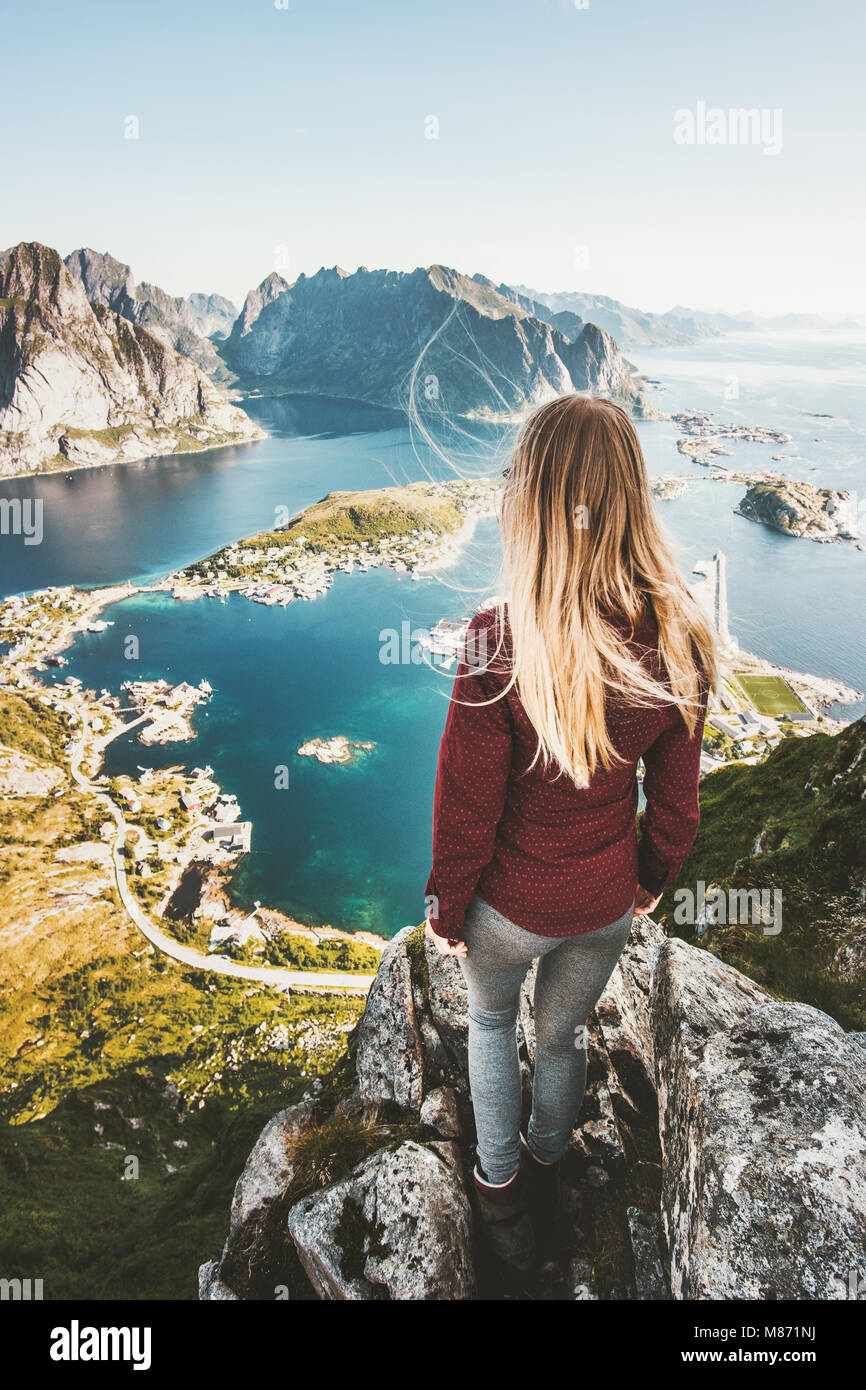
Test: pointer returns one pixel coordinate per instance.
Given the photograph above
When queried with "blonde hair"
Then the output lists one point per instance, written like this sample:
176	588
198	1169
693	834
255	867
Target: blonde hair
584	551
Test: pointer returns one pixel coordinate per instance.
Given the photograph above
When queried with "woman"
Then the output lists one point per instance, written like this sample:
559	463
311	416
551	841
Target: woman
600	657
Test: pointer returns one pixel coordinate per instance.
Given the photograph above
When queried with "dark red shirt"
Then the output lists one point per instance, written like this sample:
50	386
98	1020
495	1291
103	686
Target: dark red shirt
554	858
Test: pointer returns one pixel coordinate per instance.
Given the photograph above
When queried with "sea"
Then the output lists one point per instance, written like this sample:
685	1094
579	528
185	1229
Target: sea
349	845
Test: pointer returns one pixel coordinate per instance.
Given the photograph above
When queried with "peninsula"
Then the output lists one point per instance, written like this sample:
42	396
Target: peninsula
412	530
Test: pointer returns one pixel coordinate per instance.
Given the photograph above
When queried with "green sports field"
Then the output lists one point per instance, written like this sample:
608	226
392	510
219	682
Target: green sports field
771	695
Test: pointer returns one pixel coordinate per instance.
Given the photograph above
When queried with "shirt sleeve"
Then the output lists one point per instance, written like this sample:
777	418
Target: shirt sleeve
471	781
670	821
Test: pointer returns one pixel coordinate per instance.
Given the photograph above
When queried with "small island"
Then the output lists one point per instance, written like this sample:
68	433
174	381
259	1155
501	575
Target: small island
668	486
703	442
799	509
338	749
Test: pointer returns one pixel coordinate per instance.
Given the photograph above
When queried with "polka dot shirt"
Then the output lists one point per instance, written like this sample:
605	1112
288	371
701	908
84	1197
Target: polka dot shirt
552	857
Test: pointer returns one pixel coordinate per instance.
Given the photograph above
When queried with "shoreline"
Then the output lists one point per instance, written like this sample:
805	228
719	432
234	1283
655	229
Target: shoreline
69	469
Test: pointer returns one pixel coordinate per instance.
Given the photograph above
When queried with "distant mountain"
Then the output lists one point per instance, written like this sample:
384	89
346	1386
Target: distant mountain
81	385
699	323
630	327
175	322
361	335
213	314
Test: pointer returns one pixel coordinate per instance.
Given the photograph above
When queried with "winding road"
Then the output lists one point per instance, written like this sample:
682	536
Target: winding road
269	975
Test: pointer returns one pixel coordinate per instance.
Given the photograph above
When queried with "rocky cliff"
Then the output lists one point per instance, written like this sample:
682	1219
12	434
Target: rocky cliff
720	1153
362	335
175	322
82	385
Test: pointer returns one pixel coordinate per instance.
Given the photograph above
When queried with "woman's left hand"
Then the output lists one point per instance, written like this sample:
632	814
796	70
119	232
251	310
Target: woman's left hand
443	945
644	903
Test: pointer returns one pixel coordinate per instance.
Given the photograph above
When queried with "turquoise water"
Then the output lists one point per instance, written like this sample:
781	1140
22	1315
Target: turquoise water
347	845
350	845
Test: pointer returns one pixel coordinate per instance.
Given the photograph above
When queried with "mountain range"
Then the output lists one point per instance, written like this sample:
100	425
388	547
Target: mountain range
183	324
454	340
81	384
95	367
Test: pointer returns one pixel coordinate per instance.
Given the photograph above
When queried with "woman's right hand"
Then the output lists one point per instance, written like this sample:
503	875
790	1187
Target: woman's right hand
443	945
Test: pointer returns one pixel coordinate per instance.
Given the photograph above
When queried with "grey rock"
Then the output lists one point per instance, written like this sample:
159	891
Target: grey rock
211	1289
526	1015
439	1111
261	1186
623	1015
448	1005
390	1055
397	1228
763	1133
645	1232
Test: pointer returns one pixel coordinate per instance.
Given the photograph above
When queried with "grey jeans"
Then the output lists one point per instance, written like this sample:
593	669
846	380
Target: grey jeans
572	974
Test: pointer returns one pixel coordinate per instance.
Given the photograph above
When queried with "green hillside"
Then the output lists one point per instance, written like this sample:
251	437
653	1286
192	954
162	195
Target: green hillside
797	823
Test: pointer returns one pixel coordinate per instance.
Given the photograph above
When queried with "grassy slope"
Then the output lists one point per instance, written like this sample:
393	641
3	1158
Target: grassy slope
96	1029
359	516
805	804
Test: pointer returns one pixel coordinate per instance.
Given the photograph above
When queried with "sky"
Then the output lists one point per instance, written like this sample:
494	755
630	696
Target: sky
530	140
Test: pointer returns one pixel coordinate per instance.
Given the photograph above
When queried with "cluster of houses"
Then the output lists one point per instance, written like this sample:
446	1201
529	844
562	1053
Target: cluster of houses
280	578
744	724
145	694
228	832
279	574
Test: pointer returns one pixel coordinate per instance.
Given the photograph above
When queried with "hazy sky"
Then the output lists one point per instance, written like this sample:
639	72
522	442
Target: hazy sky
305	128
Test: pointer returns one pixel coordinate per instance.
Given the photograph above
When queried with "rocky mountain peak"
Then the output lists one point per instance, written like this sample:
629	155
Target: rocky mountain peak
361	336
82	384
105	279
270	289
35	275
707	1163
110	283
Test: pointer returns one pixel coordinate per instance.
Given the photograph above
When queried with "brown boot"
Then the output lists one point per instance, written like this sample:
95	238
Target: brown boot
505	1220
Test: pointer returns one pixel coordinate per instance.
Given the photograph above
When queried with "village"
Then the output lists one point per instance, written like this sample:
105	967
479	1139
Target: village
302	568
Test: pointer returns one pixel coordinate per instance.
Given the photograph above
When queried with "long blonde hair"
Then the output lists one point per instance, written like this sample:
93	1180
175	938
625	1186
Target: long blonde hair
583	552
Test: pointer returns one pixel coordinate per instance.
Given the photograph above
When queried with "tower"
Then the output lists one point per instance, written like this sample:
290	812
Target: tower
721	598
